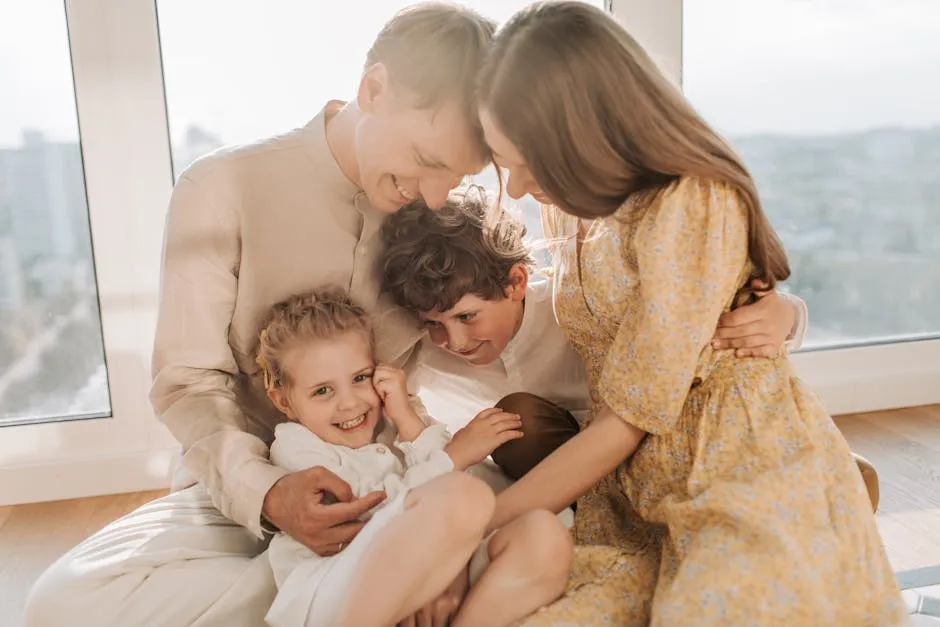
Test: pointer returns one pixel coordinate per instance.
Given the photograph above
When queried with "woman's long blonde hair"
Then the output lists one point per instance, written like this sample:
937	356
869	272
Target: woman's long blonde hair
597	121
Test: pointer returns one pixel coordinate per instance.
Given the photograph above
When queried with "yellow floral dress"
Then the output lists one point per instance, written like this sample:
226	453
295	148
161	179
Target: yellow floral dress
743	505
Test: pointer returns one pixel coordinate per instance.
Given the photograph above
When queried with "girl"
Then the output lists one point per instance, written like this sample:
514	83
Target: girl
731	495
354	417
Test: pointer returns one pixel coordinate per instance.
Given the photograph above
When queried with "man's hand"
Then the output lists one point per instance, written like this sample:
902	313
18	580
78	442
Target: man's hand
441	611
490	429
299	504
758	329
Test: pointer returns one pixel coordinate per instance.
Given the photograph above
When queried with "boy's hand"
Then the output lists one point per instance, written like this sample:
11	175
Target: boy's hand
489	430
391	384
758	329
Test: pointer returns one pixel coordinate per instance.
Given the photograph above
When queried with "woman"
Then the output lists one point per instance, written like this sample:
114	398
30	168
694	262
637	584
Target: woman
716	491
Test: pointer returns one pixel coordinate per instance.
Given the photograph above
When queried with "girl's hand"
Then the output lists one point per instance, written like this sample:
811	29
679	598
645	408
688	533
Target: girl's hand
391	384
759	329
490	429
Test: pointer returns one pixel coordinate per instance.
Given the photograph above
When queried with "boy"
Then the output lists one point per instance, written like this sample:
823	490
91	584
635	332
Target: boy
465	272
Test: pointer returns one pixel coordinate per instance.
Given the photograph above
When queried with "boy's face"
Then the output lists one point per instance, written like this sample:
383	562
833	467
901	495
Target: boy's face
476	329
331	390
405	153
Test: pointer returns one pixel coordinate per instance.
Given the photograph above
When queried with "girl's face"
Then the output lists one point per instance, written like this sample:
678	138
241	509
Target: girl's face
508	157
331	391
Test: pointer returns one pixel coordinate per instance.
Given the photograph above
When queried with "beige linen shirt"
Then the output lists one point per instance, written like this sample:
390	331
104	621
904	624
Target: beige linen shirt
248	227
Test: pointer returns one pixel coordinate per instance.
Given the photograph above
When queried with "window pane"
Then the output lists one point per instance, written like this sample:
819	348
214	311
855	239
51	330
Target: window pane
834	105
51	351
237	71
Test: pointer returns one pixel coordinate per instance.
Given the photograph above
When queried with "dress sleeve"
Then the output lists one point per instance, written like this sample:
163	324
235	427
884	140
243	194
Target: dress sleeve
690	249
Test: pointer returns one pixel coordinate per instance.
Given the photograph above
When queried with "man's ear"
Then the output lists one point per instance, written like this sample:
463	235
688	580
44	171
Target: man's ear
280	400
518	282
372	87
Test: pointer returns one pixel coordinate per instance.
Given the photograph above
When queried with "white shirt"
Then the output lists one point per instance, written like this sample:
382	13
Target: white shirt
538	360
248	227
387	464
310	586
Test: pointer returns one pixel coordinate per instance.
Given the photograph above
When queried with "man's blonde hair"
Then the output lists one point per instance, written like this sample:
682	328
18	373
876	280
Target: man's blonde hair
433	51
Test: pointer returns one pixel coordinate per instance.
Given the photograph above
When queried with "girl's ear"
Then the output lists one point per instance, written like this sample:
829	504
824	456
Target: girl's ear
280	400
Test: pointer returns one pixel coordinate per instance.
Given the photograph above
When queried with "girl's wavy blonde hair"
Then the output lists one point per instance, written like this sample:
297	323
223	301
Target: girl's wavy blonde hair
321	314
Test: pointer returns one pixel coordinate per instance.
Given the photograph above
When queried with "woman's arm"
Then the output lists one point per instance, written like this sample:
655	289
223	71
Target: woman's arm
553	485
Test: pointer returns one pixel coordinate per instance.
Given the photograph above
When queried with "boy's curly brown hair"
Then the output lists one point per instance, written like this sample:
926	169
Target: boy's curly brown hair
434	257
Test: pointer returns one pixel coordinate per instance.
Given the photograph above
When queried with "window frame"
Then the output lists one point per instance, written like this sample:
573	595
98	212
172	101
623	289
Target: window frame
118	86
863	377
118	80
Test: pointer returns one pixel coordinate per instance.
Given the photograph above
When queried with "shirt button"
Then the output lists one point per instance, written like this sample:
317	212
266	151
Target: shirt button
381	449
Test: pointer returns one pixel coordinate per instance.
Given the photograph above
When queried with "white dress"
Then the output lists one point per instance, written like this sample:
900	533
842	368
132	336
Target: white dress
311	588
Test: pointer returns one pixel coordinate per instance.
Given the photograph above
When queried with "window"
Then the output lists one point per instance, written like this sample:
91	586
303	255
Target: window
52	363
835	109
236	72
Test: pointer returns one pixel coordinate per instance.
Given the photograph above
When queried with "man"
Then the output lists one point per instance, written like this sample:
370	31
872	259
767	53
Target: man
248	227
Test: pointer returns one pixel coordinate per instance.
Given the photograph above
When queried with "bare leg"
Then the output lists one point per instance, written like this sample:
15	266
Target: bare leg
417	555
531	558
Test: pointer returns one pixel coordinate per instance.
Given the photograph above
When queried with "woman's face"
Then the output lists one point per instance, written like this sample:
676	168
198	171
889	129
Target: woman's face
508	157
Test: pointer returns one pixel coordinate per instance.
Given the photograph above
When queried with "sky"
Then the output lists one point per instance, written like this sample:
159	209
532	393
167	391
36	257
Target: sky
243	72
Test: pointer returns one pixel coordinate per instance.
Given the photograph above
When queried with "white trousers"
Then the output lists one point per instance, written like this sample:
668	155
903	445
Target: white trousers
174	562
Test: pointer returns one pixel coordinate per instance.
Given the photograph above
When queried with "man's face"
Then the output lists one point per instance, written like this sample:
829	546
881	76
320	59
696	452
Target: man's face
405	153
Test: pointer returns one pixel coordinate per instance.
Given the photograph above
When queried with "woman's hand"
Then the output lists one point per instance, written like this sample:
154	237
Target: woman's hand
489	430
759	329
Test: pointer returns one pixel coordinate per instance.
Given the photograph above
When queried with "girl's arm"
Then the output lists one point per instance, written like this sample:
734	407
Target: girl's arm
571	470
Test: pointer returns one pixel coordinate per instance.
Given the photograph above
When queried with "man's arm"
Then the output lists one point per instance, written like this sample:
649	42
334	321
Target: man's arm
760	329
194	369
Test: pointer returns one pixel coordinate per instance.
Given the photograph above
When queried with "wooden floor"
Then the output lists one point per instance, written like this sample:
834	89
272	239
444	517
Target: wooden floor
904	446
